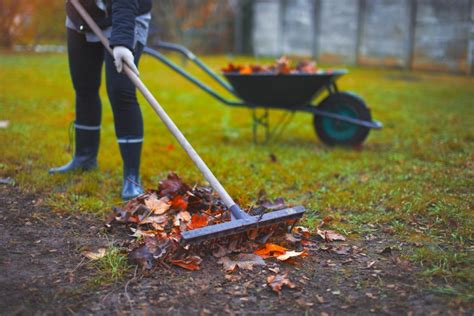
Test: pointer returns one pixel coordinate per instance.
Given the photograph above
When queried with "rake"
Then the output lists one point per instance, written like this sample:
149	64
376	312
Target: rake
240	222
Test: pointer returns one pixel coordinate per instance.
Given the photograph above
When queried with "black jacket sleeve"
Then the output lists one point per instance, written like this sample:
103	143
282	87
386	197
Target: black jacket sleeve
124	13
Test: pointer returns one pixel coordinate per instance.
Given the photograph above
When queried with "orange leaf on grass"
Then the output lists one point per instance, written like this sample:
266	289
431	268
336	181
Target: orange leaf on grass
198	221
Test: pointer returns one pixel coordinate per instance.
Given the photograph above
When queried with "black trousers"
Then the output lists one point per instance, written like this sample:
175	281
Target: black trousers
85	64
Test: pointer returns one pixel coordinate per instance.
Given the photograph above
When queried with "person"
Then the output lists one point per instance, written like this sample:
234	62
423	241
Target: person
125	23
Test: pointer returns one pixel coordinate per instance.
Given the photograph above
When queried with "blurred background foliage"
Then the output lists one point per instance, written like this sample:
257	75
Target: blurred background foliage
208	29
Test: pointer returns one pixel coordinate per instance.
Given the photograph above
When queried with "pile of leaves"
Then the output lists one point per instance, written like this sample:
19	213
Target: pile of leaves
282	66
157	218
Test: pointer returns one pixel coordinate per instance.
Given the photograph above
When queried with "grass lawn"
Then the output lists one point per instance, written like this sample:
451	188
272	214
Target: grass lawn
413	179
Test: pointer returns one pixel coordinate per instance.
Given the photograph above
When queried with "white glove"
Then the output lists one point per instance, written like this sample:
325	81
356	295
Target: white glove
123	55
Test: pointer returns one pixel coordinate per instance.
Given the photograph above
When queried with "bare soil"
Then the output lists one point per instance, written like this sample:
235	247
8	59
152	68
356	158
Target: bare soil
43	271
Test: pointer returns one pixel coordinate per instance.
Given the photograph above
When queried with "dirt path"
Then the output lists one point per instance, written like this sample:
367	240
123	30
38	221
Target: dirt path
43	271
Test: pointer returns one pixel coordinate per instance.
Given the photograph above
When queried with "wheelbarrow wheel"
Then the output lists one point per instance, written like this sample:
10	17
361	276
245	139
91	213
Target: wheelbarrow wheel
335	132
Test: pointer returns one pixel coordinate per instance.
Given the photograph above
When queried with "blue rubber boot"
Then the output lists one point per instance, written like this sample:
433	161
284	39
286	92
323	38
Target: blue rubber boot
131	169
85	153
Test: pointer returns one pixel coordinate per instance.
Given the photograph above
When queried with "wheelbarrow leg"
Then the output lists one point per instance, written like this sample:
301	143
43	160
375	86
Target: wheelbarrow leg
260	120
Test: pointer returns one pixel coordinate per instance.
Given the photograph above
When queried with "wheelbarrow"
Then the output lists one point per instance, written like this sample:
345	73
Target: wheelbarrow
341	118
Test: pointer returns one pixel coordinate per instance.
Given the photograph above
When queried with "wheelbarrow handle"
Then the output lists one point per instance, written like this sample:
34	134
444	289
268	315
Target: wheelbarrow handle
207	173
191	56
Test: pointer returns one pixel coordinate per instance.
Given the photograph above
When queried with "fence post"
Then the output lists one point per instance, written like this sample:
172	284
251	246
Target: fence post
360	29
316	28
281	26
470	40
238	40
410	44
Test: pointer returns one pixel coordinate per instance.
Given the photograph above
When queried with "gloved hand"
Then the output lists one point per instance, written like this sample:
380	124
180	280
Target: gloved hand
123	55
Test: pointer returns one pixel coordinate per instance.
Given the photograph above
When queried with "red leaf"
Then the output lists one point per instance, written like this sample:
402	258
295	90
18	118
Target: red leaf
178	203
198	221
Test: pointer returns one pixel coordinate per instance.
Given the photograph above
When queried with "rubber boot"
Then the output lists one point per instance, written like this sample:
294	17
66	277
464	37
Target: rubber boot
85	154
131	170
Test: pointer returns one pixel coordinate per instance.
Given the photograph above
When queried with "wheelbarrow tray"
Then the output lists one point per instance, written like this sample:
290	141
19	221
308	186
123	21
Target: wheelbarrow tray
277	90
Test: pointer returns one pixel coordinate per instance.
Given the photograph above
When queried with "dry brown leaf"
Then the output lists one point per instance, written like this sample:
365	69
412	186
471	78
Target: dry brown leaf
274	270
276	282
244	261
190	263
303	231
95	255
138	233
330	235
182	217
160	219
157	206
172	186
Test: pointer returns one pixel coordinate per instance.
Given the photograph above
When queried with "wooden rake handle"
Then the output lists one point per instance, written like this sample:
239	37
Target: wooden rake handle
207	173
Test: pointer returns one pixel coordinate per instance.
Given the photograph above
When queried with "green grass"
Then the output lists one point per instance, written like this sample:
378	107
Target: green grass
111	268
415	176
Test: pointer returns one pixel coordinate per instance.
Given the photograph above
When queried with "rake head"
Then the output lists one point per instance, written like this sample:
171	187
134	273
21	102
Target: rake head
238	226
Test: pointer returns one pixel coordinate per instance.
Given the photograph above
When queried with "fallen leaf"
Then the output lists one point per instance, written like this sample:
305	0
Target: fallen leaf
370	264
190	263
303	231
329	235
270	250
343	250
290	254
157	206
182	217
274	270
95	255
320	299
292	239
232	277
324	221
198	221
172	186
178	203
243	261
155	219
138	233
148	252
276	282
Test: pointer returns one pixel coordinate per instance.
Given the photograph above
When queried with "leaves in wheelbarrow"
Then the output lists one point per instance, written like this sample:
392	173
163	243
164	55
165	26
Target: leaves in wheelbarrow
157	218
282	66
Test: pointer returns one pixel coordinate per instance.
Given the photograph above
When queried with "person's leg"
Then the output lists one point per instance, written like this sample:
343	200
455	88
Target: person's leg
85	66
128	124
